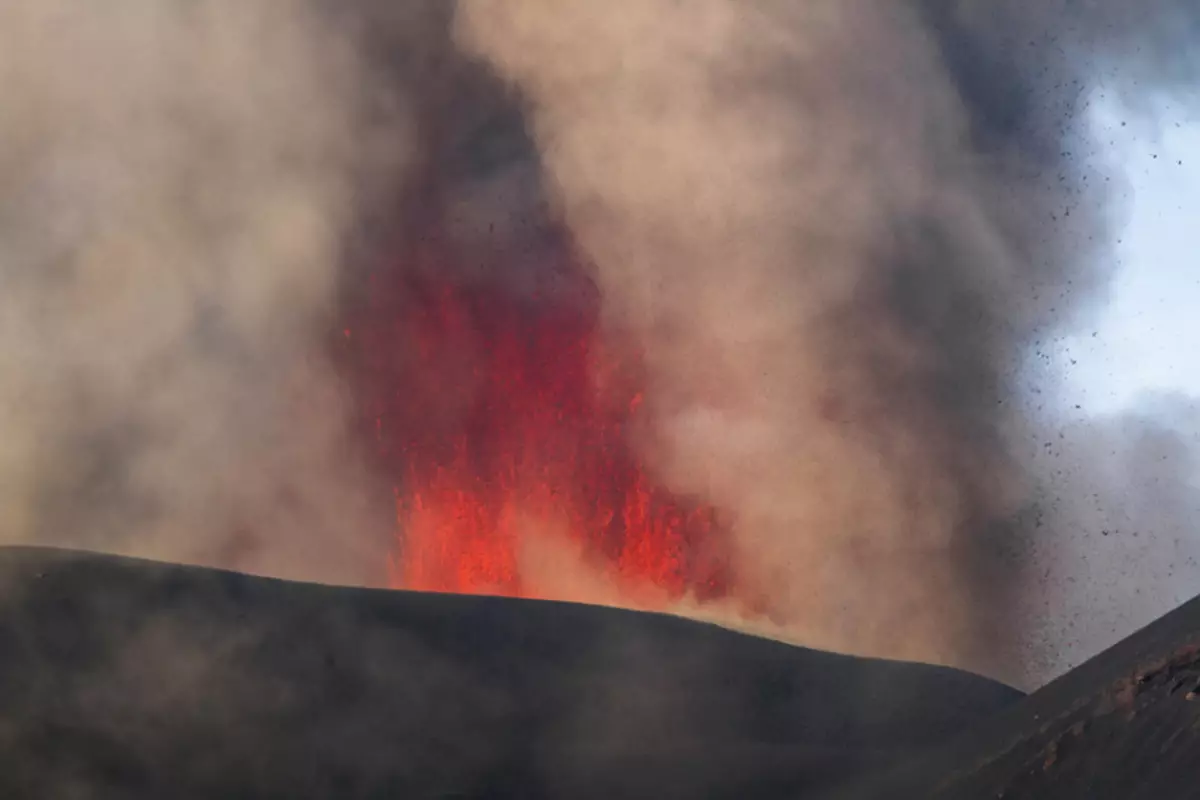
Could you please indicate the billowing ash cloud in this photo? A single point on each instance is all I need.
(837, 227)
(175, 180)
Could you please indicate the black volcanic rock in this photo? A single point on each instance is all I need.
(130, 679)
(1123, 726)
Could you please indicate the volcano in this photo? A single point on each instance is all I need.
(132, 679)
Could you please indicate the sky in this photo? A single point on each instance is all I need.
(1127, 551)
(1147, 337)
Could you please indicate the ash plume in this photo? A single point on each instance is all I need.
(175, 183)
(837, 227)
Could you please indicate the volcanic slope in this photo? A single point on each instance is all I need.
(131, 679)
(1123, 726)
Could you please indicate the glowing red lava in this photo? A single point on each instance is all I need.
(502, 414)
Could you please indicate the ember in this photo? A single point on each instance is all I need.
(503, 417)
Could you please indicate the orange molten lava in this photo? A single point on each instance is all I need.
(509, 420)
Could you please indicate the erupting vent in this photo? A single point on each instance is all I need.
(505, 422)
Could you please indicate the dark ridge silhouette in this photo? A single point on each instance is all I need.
(1123, 726)
(132, 679)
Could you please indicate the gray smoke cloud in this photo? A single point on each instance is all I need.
(837, 227)
(1112, 530)
(176, 180)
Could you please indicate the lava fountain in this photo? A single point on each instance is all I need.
(504, 417)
